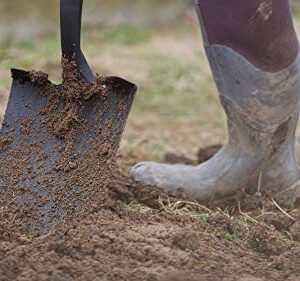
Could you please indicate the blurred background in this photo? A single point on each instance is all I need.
(155, 44)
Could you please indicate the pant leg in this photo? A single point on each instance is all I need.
(260, 30)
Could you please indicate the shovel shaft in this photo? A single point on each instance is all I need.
(70, 21)
(70, 24)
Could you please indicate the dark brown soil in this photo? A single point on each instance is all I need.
(203, 155)
(104, 226)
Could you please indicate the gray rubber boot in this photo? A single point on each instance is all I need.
(262, 111)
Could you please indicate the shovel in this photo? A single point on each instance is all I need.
(58, 142)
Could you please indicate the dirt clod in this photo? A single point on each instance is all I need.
(5, 141)
(203, 154)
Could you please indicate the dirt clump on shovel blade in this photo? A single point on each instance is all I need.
(60, 158)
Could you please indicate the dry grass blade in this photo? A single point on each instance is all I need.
(193, 204)
(246, 215)
(258, 192)
(283, 211)
(183, 208)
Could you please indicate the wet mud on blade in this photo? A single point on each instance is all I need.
(43, 180)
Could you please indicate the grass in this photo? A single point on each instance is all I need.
(124, 35)
(254, 227)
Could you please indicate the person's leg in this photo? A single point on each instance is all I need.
(253, 52)
(260, 30)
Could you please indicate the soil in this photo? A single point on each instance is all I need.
(203, 154)
(80, 217)
(147, 239)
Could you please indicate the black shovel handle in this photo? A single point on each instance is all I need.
(70, 25)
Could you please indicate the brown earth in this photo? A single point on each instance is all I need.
(143, 234)
(203, 155)
(105, 226)
(157, 238)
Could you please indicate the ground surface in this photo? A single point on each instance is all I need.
(138, 233)
(141, 234)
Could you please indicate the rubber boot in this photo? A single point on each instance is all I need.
(262, 110)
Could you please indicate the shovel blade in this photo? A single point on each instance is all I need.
(37, 189)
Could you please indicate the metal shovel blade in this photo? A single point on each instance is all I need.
(41, 184)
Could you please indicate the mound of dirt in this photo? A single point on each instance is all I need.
(203, 155)
(170, 242)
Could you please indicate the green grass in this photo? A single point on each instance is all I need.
(124, 35)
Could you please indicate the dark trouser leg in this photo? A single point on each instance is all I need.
(262, 31)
